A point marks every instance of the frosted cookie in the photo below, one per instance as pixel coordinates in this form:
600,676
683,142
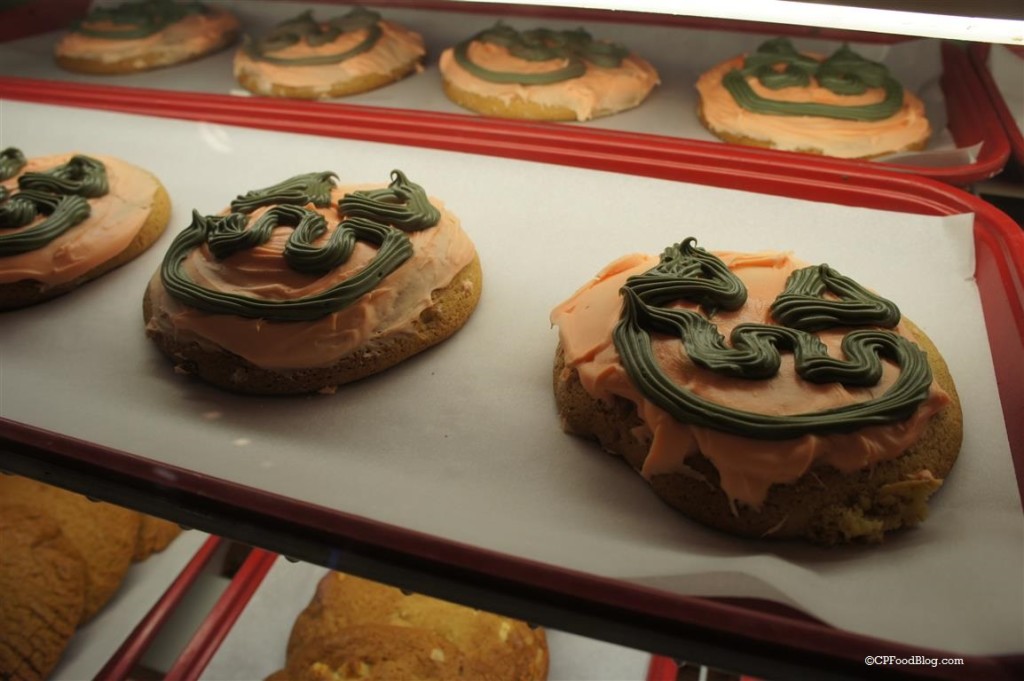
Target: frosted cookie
67,219
825,416
42,582
145,35
843,106
305,285
104,534
355,628
303,58
544,75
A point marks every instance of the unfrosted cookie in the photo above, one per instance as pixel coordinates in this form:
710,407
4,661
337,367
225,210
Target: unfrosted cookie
42,591
544,75
843,105
155,535
306,285
104,534
70,218
357,628
144,35
303,58
845,443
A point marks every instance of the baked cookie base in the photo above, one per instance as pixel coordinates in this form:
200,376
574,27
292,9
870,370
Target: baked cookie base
157,59
824,506
344,88
452,306
743,140
29,292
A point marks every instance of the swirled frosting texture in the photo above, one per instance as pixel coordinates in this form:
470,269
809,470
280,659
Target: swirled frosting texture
797,129
114,219
600,79
191,34
379,47
439,253
747,466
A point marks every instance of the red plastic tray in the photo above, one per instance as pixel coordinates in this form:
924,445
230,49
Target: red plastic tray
971,117
716,632
979,59
128,655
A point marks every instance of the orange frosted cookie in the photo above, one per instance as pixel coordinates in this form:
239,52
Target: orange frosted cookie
139,36
544,75
67,219
303,58
843,106
305,285
824,416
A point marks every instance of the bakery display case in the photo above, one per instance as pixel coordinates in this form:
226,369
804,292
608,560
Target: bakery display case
450,474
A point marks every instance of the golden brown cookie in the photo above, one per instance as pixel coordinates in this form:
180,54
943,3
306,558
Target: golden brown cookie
155,535
104,535
303,58
353,622
42,592
145,35
834,485
544,75
255,321
844,106
120,224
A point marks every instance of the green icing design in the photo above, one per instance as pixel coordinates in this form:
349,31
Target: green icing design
60,194
134,20
541,44
686,272
11,161
304,28
380,217
777,65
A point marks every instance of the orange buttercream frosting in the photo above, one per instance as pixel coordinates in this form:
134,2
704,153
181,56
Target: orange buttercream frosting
396,48
747,467
599,91
830,136
114,221
439,254
194,35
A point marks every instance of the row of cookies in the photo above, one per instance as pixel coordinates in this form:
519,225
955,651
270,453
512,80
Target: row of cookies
305,285
63,558
776,96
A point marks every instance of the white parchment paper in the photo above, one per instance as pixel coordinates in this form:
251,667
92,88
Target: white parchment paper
463,442
679,54
255,647
93,645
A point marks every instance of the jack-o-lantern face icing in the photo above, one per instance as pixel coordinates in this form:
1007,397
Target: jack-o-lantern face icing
842,105
817,370
305,285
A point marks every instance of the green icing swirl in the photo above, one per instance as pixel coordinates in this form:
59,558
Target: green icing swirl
843,73
686,272
380,217
60,194
134,20
304,28
11,161
541,44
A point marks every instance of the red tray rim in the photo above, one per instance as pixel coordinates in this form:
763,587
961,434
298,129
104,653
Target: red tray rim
1000,247
978,54
971,116
121,663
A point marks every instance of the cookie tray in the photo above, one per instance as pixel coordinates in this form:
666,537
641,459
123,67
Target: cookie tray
146,442
246,633
110,645
1001,81
681,47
